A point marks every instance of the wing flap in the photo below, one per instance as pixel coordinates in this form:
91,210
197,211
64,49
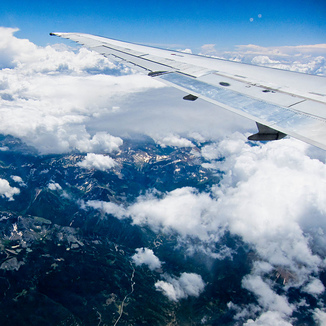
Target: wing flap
303,126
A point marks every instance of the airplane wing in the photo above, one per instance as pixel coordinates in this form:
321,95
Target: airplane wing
281,102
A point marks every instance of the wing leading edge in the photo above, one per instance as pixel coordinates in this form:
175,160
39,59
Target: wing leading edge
281,102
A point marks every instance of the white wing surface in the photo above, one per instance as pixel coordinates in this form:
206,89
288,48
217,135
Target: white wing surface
281,102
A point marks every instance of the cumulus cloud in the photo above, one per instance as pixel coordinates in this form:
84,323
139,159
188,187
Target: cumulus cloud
49,96
173,140
54,186
11,47
269,318
146,256
265,196
183,210
268,194
97,161
271,195
19,180
100,142
320,317
7,191
209,49
188,284
267,298
314,287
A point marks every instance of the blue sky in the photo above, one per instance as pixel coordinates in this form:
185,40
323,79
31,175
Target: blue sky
181,23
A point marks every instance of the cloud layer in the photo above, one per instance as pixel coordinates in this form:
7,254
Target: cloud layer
303,58
272,196
58,100
49,94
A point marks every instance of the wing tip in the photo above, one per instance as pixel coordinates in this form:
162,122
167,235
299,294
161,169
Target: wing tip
57,34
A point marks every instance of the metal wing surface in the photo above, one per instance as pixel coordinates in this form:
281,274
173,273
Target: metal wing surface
281,102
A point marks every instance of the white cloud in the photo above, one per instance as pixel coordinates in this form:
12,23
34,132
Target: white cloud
146,256
302,58
315,49
173,140
49,97
107,208
314,287
188,284
267,194
209,49
183,210
244,313
98,162
100,142
266,297
172,292
320,317
271,195
54,186
10,47
7,191
269,318
264,197
186,51
19,180
263,60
